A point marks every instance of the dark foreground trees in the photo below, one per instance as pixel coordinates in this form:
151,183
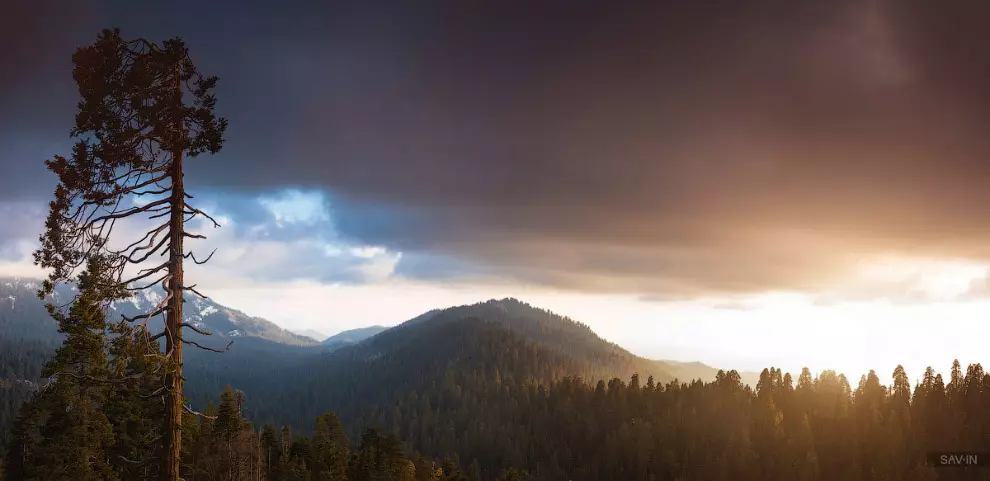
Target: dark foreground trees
220,445
79,424
812,428
143,109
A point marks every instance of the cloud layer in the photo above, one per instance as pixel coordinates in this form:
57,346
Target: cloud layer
672,150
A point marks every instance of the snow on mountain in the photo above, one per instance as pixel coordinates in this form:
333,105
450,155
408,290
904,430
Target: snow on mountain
207,315
19,304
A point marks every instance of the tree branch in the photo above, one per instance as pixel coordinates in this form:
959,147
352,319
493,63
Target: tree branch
193,256
146,317
145,273
97,379
194,343
146,235
150,284
131,211
148,254
194,291
196,413
153,393
195,212
190,326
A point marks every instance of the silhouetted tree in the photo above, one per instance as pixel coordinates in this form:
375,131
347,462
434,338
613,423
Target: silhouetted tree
144,108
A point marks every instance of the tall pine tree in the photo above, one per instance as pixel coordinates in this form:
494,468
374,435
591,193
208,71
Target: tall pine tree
144,110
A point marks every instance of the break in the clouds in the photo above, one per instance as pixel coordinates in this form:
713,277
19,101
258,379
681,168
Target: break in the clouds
280,236
285,236
663,149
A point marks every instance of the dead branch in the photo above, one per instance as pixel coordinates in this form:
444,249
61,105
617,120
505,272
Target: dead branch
147,254
141,288
144,273
204,261
194,328
194,291
98,380
133,210
153,393
194,343
195,212
146,317
197,413
146,235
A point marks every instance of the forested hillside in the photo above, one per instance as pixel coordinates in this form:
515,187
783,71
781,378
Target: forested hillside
464,344
261,363
21,364
814,428
501,388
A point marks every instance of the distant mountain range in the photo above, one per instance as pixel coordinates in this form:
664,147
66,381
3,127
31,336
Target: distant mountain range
310,333
290,378
352,336
18,299
505,340
23,316
342,338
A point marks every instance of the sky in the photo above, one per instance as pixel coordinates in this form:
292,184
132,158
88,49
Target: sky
784,183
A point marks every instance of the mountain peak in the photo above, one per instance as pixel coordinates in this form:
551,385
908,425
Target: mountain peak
510,302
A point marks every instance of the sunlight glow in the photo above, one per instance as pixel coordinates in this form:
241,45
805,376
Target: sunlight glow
939,278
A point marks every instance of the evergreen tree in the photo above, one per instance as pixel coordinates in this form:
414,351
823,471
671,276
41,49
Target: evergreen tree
510,474
270,451
143,109
62,432
330,453
135,403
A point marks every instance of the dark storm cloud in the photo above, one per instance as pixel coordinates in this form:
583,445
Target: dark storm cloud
665,148
441,267
37,99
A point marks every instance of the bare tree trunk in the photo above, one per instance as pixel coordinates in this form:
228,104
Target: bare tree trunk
173,331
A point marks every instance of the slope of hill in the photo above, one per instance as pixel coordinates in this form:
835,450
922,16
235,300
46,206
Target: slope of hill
23,315
499,341
596,357
352,336
456,380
